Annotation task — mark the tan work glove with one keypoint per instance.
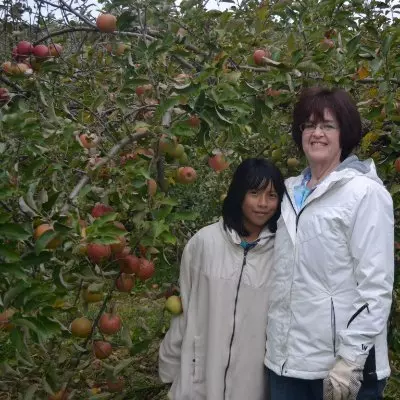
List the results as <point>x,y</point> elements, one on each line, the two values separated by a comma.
<point>343,381</point>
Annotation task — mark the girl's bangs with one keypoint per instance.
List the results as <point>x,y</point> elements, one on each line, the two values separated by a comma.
<point>258,182</point>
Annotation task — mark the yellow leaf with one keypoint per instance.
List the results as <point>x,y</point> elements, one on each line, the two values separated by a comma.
<point>363,72</point>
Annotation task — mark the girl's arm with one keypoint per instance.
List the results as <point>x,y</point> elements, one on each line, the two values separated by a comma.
<point>171,346</point>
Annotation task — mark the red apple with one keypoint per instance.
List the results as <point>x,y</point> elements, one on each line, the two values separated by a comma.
<point>186,175</point>
<point>4,95</point>
<point>109,324</point>
<point>24,48</point>
<point>218,162</point>
<point>129,264</point>
<point>151,187</point>
<point>102,349</point>
<point>98,253</point>
<point>101,209</point>
<point>397,164</point>
<point>258,56</point>
<point>146,269</point>
<point>41,51</point>
<point>194,121</point>
<point>106,23</point>
<point>125,283</point>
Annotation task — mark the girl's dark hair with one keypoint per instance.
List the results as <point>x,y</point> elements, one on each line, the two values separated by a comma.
<point>252,173</point>
<point>314,101</point>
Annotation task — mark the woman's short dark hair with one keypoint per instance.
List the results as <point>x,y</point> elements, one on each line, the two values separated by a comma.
<point>313,102</point>
<point>252,173</point>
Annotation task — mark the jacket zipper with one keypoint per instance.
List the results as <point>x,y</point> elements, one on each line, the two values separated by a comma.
<point>333,326</point>
<point>246,250</point>
<point>294,209</point>
<point>355,315</point>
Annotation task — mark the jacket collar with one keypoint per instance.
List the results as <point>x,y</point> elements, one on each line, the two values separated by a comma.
<point>233,237</point>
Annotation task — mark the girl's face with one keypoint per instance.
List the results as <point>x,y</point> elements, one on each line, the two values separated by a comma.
<point>258,207</point>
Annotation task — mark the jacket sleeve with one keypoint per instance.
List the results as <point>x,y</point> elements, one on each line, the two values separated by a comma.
<point>372,248</point>
<point>170,348</point>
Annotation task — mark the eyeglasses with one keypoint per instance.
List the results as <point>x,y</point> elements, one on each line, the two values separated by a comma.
<point>310,127</point>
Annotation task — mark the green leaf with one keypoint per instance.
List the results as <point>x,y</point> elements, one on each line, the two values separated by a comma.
<point>387,42</point>
<point>44,240</point>
<point>31,259</point>
<point>353,44</point>
<point>8,253</point>
<point>30,392</point>
<point>122,365</point>
<point>13,231</point>
<point>395,189</point>
<point>184,216</point>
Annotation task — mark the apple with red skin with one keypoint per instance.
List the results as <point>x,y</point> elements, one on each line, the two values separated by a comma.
<point>101,209</point>
<point>88,141</point>
<point>273,92</point>
<point>109,324</point>
<point>5,319</point>
<point>125,283</point>
<point>116,385</point>
<point>258,56</point>
<point>4,95</point>
<point>117,248</point>
<point>102,349</point>
<point>129,264</point>
<point>327,44</point>
<point>397,164</point>
<point>186,175</point>
<point>151,187</point>
<point>106,23</point>
<point>41,51</point>
<point>146,269</point>
<point>194,121</point>
<point>218,162</point>
<point>98,253</point>
<point>24,48</point>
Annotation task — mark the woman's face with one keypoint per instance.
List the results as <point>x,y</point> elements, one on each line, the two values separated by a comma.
<point>321,142</point>
<point>258,207</point>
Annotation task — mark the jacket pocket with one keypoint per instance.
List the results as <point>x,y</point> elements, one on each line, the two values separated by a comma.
<point>198,360</point>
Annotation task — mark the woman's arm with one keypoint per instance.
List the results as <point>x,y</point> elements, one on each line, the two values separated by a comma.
<point>371,245</point>
<point>170,349</point>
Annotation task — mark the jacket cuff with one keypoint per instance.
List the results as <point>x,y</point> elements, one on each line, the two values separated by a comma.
<point>348,353</point>
<point>168,371</point>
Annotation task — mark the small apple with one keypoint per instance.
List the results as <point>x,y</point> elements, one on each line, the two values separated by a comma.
<point>125,283</point>
<point>177,151</point>
<point>218,162</point>
<point>81,327</point>
<point>106,23</point>
<point>174,305</point>
<point>397,164</point>
<point>146,269</point>
<point>100,210</point>
<point>88,141</point>
<point>92,297</point>
<point>55,50</point>
<point>327,44</point>
<point>41,51</point>
<point>186,175</point>
<point>40,230</point>
<point>98,253</point>
<point>129,264</point>
<point>258,56</point>
<point>116,385</point>
<point>140,90</point>
<point>102,349</point>
<point>194,121</point>
<point>24,48</point>
<point>151,187</point>
<point>293,162</point>
<point>272,92</point>
<point>4,95</point>
<point>109,324</point>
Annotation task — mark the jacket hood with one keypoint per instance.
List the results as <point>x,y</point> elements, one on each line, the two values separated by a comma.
<point>366,167</point>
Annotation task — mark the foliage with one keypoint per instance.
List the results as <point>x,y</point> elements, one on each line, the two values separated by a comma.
<point>176,62</point>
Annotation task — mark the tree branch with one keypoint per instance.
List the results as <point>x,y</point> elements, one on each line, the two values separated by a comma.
<point>104,160</point>
<point>81,17</point>
<point>11,84</point>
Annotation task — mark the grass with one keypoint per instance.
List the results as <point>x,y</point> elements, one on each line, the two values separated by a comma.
<point>144,317</point>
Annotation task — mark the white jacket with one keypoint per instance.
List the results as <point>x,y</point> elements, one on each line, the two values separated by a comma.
<point>218,344</point>
<point>332,279</point>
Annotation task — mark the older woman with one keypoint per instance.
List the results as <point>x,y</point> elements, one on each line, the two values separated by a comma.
<point>332,280</point>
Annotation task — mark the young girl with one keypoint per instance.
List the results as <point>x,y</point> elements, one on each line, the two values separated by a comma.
<point>215,349</point>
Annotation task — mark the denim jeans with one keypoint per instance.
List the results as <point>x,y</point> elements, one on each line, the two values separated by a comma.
<point>285,388</point>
